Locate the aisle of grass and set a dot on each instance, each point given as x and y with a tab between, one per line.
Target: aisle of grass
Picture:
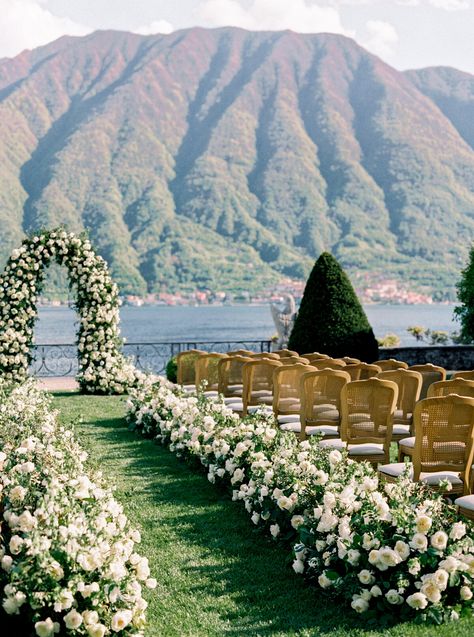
217	574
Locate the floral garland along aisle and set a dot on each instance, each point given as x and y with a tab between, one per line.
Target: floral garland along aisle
102	366
391	551
68	563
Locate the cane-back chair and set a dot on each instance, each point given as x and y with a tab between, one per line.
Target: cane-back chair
285	353
467	375
465	506
328	363
349	360
444	444
315	356
409	388
367	409
431	374
207	375
286	391
388	364
185	361
320	412
229	372
459	386
257	376
362	371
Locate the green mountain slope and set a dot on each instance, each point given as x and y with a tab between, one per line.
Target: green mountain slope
228	159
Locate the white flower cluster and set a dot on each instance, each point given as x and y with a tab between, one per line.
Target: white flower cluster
68	562
387	549
103	369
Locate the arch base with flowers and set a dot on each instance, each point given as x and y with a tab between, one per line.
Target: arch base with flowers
102	366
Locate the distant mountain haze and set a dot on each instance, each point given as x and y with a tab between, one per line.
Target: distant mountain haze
229	159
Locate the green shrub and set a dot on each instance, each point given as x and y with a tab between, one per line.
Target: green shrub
331	319
465	311
172	370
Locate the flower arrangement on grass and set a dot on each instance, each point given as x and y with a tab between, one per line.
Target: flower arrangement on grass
68	562
102	367
391	551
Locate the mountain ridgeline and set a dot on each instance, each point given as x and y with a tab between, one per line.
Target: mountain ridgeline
229	159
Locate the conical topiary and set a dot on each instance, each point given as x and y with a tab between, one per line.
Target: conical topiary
465	310
331	319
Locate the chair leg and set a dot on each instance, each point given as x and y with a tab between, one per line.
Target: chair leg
400	454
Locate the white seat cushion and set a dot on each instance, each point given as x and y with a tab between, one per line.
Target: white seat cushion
261	392
295	427
398	415
235	388
211	393
331	415
401	430
230	400
408	442
189	388
366	449
237	406
325	430
288	418
328	407
335	443
396	469
263	408
466	502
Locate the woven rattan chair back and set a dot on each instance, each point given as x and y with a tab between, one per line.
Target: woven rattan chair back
293	360
351	361
444	429
267	355
388	364
431	374
328	363
257	377
409	388
207	370
458	386
285	353
362	371
229	371
286	388
320	393
240	352
185	361
467	375
315	356
367	408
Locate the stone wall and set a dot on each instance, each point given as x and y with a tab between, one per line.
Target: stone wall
452	357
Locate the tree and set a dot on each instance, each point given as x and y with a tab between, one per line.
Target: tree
331	319
465	311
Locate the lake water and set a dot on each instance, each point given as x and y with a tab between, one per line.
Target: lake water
240	322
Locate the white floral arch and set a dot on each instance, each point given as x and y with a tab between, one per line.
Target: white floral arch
102	366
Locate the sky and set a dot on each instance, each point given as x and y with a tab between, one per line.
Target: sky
404	33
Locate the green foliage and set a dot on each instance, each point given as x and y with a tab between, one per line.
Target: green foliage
465	311
172	370
331	319
432	337
389	340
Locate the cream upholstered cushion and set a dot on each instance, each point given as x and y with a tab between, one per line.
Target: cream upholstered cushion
212	393
325	430
288	418
408	442
232	400
258	393
396	469
466	502
318	408
264	408
235	388
189	388
400	430
330	414
366	449
335	443
295	427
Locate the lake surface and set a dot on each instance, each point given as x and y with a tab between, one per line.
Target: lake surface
241	322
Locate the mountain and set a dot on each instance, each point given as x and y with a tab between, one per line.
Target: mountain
229	159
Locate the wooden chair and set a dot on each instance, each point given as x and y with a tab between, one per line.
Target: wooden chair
409	388
320	413
431	374
285	353
351	361
458	386
389	364
293	360
240	352
328	363
229	371
367	409
444	444
362	371
467	375
315	356
186	374
207	371
257	376
267	355
286	391
465	506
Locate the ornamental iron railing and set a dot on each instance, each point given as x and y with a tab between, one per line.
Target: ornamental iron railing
62	360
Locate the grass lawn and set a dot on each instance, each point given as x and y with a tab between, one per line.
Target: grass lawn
217	575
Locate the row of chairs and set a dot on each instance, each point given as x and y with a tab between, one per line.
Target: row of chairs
354	405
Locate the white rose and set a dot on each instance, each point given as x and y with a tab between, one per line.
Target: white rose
297	521
298	566
393	597
439	540
324	581
417	600
466	593
423	524
458	531
73	619
274	530
46	628
419	542
96	630
121	620
365	577
360	605
431	590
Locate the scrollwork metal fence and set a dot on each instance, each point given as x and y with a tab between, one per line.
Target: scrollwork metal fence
61	359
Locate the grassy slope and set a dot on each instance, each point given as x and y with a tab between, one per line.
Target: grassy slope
217	574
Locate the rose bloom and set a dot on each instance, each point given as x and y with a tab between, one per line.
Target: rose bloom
73	619
419	542
439	540
466	593
45	628
423	524
360	605
431	590
458	531
120	620
366	577
417	601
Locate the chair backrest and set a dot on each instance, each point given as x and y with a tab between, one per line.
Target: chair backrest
328	363
229	371
467	375
315	356
431	374
458	386
286	388
285	353
362	371
409	388
351	361
268	355
321	387
186	374
388	364
444	430
207	370
293	360
367	408
257	376
240	352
